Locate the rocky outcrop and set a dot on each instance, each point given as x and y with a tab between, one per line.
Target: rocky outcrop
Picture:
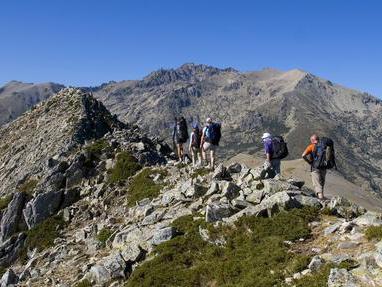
12	220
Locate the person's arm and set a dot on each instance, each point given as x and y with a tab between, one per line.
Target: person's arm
268	155
191	139
202	139
308	151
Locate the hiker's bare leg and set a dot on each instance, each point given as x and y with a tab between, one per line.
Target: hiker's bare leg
212	154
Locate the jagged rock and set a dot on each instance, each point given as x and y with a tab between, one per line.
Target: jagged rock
332	228
42	206
347	245
308	201
214	188
12	220
153	217
378	254
240	204
133	253
315	263
255	197
272	186
256	173
70	196
99	274
296	182
133	235
116	266
234	168
341	278
9	278
368	219
217	211
163	235
9	250
196	191
230	190
344	208
221	173
258	185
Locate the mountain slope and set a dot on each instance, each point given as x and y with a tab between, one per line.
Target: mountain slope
293	103
17	97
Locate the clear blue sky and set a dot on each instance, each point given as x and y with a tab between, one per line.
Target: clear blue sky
88	42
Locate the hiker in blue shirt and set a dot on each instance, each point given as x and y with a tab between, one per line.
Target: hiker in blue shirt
271	165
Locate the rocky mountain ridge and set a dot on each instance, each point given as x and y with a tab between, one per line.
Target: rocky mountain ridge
104	197
293	103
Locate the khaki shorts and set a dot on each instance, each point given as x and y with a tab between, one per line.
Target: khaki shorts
209	147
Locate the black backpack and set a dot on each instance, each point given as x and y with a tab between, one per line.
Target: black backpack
196	139
280	148
213	133
323	156
181	130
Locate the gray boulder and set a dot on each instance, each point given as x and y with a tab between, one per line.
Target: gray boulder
272	186
99	274
10	249
214	188
368	219
218	211
163	235
296	182
344	208
42	206
255	197
315	263
13	219
221	173
116	266
230	190
234	168
196	191
341	278
9	278
308	201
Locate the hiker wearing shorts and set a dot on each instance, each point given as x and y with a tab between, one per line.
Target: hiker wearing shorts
211	135
180	136
271	165
194	147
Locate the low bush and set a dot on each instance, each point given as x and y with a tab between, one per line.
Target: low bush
28	186
126	166
374	232
143	186
200	172
103	235
97	147
254	254
84	283
5	200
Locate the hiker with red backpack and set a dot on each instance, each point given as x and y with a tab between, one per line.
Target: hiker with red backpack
180	136
194	147
320	155
275	150
211	135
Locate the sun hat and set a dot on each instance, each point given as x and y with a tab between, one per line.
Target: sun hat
265	136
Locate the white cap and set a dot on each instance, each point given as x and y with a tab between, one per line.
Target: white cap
208	120
266	135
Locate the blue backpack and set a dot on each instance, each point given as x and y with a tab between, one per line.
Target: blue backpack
213	133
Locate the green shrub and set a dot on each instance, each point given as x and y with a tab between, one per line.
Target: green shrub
254	254
143	186
104	235
84	283
42	236
125	167
374	232
97	147
28	186
316	279
5	200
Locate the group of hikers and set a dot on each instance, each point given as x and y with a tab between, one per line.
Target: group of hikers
204	143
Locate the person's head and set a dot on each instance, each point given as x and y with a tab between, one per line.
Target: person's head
266	136
195	127
208	121
314	139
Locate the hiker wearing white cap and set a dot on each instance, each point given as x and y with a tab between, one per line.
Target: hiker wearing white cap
211	135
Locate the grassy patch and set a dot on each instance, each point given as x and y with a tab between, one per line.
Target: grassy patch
255	253
143	186
84	283
97	147
42	236
316	279
28	186
200	172
374	232
5	200
125	167
104	235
